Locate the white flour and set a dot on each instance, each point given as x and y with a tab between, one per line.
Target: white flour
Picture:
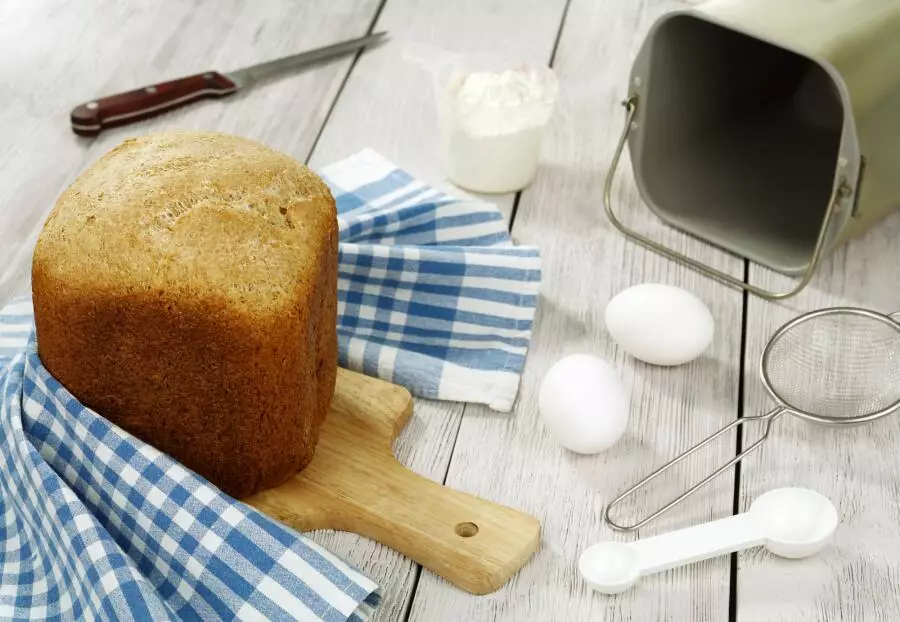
493	126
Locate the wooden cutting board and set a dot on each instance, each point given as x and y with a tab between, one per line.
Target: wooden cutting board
355	484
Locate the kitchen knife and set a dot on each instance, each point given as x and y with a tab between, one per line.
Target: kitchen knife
93	117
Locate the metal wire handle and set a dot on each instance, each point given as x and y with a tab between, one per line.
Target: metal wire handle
841	192
767	418
784	406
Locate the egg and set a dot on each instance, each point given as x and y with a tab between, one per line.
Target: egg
660	324
583	404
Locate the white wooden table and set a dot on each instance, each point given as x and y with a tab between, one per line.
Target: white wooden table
58	53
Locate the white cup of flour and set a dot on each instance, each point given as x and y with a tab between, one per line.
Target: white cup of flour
492	114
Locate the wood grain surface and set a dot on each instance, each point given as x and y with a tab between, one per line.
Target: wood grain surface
387	104
66	53
510	459
858	577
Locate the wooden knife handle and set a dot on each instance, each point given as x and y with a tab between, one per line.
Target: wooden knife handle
91	118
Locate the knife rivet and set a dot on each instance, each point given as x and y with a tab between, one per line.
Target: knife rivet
150	89
92	105
209	76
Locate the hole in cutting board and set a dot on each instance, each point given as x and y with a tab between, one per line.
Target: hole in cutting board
466	530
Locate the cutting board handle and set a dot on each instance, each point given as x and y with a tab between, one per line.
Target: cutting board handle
475	544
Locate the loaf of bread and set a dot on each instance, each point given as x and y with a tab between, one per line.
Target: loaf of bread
185	288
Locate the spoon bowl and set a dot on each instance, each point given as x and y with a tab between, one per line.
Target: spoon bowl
796	522
610	567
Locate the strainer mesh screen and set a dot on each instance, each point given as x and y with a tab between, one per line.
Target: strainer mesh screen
837	365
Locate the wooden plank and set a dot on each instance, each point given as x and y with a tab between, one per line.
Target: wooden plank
858	578
510	458
387	105
68	53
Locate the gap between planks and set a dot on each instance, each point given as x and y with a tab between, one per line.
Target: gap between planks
739	443
347	74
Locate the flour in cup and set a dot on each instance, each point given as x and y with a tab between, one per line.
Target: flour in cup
493	127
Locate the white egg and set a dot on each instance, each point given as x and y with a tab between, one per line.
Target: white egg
583	404
660	324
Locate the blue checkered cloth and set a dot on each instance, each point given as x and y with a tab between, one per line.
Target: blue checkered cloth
95	524
432	294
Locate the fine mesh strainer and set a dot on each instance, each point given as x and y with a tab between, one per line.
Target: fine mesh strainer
837	366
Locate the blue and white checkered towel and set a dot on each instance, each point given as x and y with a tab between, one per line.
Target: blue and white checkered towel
432	294
96	524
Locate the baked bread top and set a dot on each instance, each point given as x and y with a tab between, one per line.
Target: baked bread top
185	288
201	214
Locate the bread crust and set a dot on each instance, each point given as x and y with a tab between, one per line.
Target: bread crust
185	288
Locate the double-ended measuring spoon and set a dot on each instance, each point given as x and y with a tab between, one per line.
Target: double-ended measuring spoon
789	522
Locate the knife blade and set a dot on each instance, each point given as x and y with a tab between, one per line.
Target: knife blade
91	118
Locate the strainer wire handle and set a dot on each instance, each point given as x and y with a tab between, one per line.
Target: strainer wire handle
841	192
768	419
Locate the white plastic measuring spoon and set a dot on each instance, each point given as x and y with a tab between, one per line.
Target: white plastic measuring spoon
789	522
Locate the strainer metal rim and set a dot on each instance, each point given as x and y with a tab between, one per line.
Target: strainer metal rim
888	320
